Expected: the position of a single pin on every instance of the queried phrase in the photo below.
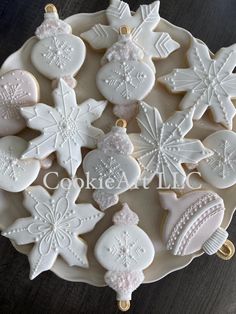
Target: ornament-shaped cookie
(125, 78)
(132, 43)
(54, 226)
(194, 223)
(110, 167)
(16, 174)
(209, 82)
(220, 169)
(161, 147)
(18, 89)
(125, 251)
(58, 53)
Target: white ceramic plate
(144, 202)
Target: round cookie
(111, 168)
(18, 89)
(16, 174)
(219, 169)
(193, 222)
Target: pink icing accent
(105, 200)
(51, 26)
(124, 283)
(116, 141)
(125, 216)
(68, 79)
(126, 112)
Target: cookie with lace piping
(18, 89)
(58, 53)
(65, 128)
(209, 83)
(193, 222)
(54, 227)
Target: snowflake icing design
(11, 98)
(161, 148)
(65, 128)
(9, 164)
(126, 249)
(109, 168)
(223, 161)
(125, 80)
(58, 53)
(142, 23)
(208, 82)
(54, 227)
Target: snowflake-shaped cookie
(65, 128)
(142, 23)
(161, 148)
(209, 83)
(54, 226)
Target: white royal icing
(125, 251)
(220, 169)
(16, 174)
(161, 148)
(193, 222)
(17, 89)
(58, 53)
(142, 24)
(124, 83)
(54, 226)
(111, 168)
(65, 128)
(209, 82)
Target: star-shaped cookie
(65, 128)
(54, 226)
(209, 82)
(161, 148)
(142, 23)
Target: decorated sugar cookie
(194, 223)
(16, 174)
(125, 79)
(161, 148)
(58, 53)
(220, 169)
(209, 83)
(125, 251)
(54, 226)
(65, 128)
(110, 166)
(128, 72)
(18, 89)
